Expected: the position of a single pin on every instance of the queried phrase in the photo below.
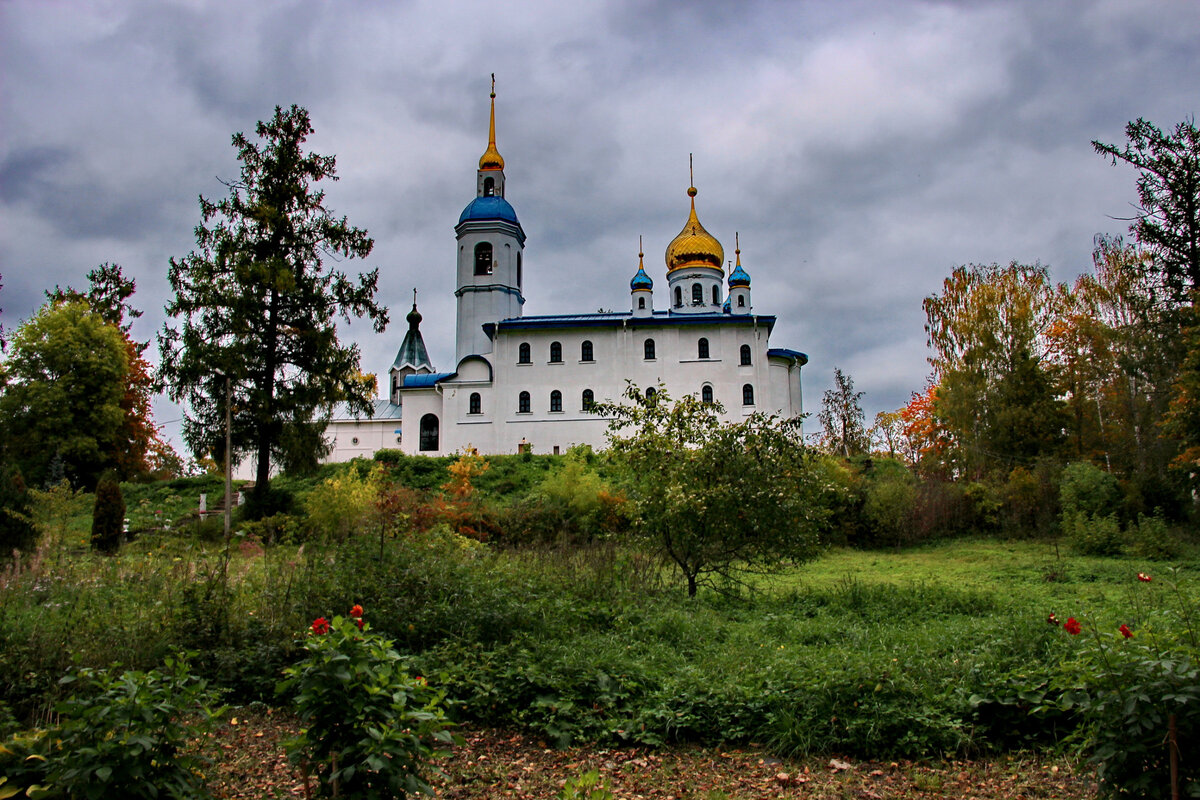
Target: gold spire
(491, 158)
(694, 246)
(641, 255)
(737, 248)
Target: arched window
(489, 187)
(523, 403)
(745, 351)
(429, 432)
(697, 294)
(483, 258)
(518, 270)
(523, 356)
(706, 395)
(475, 406)
(641, 302)
(702, 348)
(556, 352)
(648, 349)
(589, 399)
(585, 351)
(678, 297)
(556, 400)
(741, 301)
(651, 395)
(747, 394)
(716, 296)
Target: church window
(641, 302)
(518, 270)
(523, 356)
(556, 352)
(702, 348)
(648, 350)
(475, 404)
(483, 258)
(589, 399)
(716, 296)
(489, 187)
(429, 432)
(556, 400)
(651, 395)
(585, 351)
(741, 301)
(747, 394)
(706, 394)
(678, 297)
(745, 351)
(523, 403)
(697, 294)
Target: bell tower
(491, 246)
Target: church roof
(614, 319)
(783, 352)
(383, 410)
(490, 207)
(412, 352)
(425, 380)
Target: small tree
(108, 515)
(842, 418)
(714, 498)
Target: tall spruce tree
(256, 304)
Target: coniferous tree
(257, 306)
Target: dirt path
(496, 765)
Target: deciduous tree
(257, 302)
(842, 419)
(716, 498)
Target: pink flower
(320, 626)
(1124, 629)
(1072, 626)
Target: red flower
(356, 611)
(320, 625)
(1072, 626)
(1124, 629)
(1053, 620)
(1144, 578)
(360, 623)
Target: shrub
(120, 736)
(1092, 535)
(1150, 538)
(1088, 489)
(108, 515)
(16, 521)
(890, 506)
(371, 729)
(343, 504)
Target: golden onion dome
(694, 246)
(491, 158)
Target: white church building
(528, 381)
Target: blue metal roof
(486, 208)
(428, 379)
(783, 352)
(641, 280)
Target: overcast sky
(861, 149)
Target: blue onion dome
(739, 276)
(728, 307)
(489, 208)
(641, 281)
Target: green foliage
(588, 786)
(108, 515)
(1151, 538)
(371, 729)
(890, 506)
(1093, 535)
(17, 532)
(1088, 489)
(842, 418)
(65, 382)
(343, 504)
(1131, 686)
(119, 736)
(572, 503)
(716, 499)
(257, 301)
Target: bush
(108, 515)
(17, 531)
(890, 506)
(120, 736)
(1092, 535)
(370, 728)
(1150, 538)
(1088, 489)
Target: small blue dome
(641, 281)
(488, 208)
(727, 308)
(739, 277)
